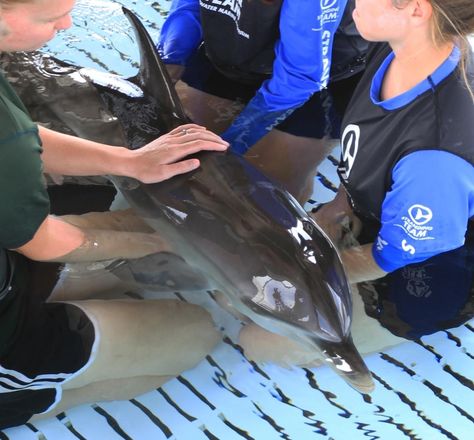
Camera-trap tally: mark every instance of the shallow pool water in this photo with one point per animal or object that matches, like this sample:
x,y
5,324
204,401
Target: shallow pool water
x,y
101,37
424,389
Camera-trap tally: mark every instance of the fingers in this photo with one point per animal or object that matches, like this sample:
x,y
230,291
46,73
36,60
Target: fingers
x,y
196,136
174,151
177,168
186,128
163,158
196,131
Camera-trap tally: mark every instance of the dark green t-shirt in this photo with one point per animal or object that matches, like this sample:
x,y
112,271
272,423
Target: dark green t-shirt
x,y
24,201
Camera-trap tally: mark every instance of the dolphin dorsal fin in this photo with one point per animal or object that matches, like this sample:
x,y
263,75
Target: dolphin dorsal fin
x,y
153,76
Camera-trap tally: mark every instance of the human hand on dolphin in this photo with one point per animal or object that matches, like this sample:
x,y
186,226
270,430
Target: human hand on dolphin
x,y
164,157
161,159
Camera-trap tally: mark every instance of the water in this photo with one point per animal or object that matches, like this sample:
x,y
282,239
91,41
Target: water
x,y
424,388
101,37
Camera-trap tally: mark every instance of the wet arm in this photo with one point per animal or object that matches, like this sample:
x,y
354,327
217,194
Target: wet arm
x,y
73,156
300,69
57,240
157,161
360,265
418,223
338,220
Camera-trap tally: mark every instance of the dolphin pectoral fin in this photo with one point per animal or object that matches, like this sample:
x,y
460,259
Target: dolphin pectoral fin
x,y
160,272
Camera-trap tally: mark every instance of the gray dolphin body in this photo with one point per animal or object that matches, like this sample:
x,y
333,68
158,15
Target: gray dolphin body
x,y
246,234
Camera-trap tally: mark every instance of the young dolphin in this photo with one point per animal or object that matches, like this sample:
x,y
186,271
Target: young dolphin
x,y
249,237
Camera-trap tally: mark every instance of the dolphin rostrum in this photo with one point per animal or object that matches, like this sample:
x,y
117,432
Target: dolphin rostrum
x,y
246,234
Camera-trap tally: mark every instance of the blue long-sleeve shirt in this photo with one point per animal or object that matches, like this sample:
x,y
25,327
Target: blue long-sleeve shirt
x,y
301,66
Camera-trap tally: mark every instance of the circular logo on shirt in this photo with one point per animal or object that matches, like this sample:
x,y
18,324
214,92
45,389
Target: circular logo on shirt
x,y
420,214
326,4
350,145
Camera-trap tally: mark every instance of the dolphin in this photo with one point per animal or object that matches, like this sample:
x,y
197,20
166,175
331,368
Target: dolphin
x,y
242,231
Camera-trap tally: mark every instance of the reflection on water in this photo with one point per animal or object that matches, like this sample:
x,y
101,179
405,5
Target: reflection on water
x,y
94,40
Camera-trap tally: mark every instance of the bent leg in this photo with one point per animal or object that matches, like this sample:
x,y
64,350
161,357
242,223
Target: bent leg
x,y
82,281
145,338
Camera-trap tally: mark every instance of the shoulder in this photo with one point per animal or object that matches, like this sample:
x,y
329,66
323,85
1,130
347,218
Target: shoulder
x,y
14,118
319,15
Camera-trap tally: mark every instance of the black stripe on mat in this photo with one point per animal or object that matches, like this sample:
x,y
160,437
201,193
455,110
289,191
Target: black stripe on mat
x,y
166,431
68,424
111,421
413,407
200,396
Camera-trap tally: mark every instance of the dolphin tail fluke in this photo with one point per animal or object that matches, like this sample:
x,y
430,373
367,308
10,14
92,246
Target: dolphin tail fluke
x,y
153,76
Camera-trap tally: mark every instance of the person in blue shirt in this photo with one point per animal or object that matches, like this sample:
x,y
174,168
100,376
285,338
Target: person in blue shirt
x,y
272,77
407,169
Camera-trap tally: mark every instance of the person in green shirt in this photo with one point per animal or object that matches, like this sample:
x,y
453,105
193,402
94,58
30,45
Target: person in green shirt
x,y
57,355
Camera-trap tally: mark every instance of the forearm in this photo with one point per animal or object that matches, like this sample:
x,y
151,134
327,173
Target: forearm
x,y
360,265
338,220
254,122
121,220
102,244
73,156
60,241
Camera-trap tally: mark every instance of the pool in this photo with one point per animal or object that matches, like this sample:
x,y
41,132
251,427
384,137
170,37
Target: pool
x,y
424,389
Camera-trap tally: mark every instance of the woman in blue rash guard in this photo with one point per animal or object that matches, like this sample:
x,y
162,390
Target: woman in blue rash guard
x,y
257,72
407,169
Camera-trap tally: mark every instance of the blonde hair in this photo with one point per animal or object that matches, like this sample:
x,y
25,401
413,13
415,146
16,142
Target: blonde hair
x,y
453,21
